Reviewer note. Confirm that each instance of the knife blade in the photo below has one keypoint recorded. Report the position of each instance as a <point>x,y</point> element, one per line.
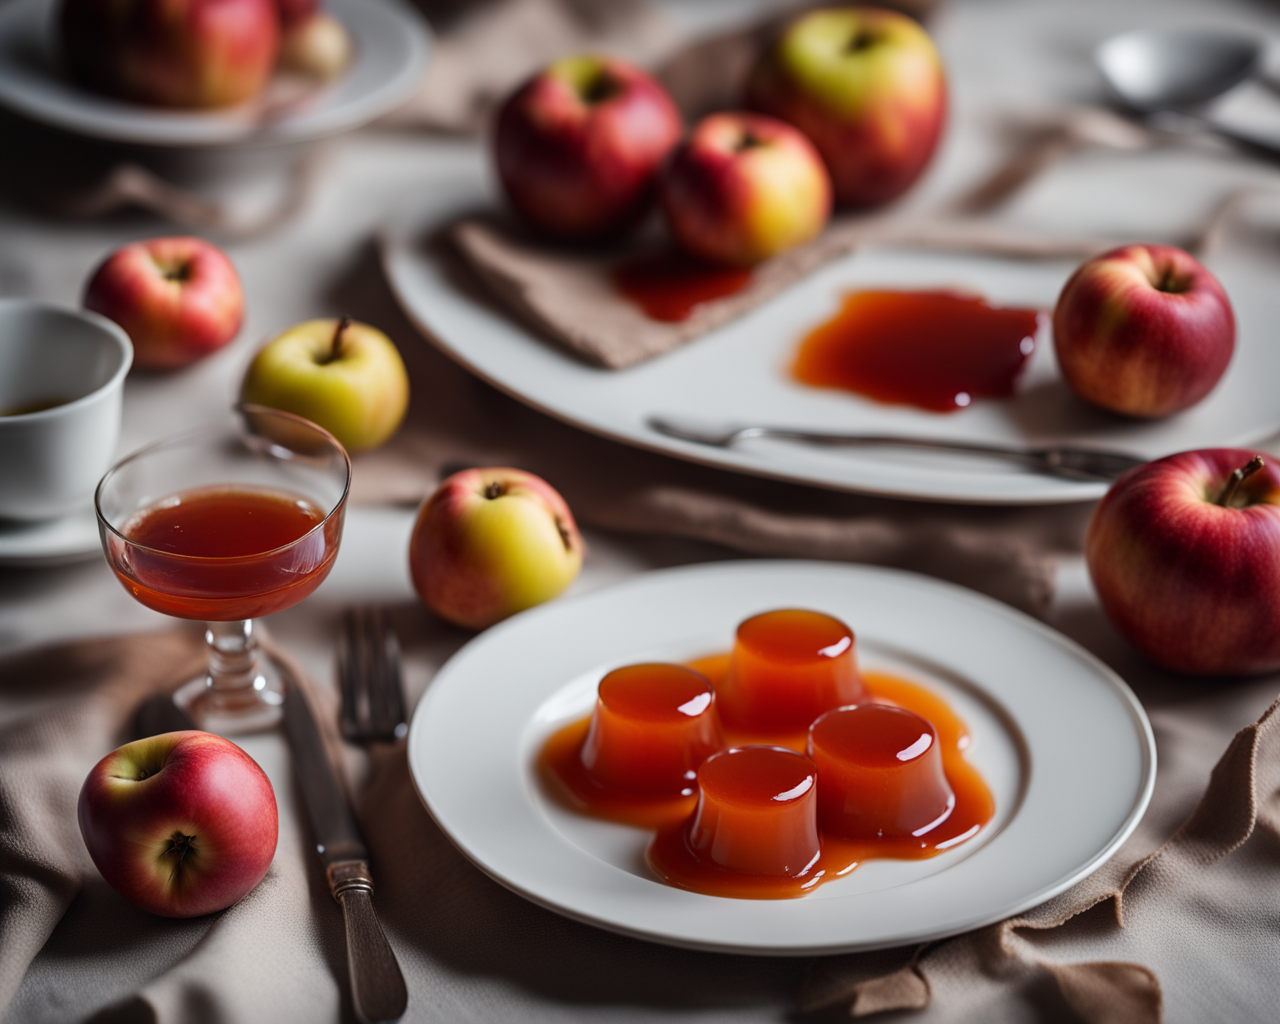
<point>377,986</point>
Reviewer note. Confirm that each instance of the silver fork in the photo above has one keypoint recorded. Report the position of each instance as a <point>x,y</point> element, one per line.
<point>369,675</point>
<point>1071,463</point>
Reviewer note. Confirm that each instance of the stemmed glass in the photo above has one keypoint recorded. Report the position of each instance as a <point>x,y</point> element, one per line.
<point>227,524</point>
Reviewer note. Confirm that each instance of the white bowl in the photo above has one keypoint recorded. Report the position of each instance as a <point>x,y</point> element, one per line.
<point>51,459</point>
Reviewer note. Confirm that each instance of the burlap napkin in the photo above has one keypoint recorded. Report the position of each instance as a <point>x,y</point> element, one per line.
<point>71,949</point>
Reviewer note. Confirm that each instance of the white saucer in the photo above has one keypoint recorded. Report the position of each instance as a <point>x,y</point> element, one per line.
<point>73,538</point>
<point>391,39</point>
<point>1064,745</point>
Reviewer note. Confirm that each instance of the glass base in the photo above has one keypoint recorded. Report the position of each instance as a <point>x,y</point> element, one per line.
<point>239,711</point>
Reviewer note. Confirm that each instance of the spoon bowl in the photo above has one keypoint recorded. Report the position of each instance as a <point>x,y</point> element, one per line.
<point>1176,69</point>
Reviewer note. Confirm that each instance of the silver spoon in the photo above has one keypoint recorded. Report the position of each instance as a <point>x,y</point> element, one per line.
<point>1166,74</point>
<point>1072,463</point>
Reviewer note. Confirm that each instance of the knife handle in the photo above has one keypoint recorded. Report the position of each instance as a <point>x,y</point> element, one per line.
<point>377,986</point>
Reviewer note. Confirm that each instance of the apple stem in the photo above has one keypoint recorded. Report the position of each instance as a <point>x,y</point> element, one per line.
<point>335,349</point>
<point>1238,477</point>
<point>181,845</point>
<point>495,490</point>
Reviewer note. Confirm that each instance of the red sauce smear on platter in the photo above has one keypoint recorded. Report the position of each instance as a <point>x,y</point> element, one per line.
<point>937,350</point>
<point>669,285</point>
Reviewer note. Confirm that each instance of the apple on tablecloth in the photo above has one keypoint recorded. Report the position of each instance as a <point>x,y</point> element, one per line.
<point>171,53</point>
<point>744,187</point>
<point>867,86</point>
<point>177,298</point>
<point>180,824</point>
<point>1143,330</point>
<point>1184,553</point>
<point>345,376</point>
<point>578,146</point>
<point>492,542</point>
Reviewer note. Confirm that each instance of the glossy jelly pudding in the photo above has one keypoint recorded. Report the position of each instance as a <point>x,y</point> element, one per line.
<point>787,667</point>
<point>881,770</point>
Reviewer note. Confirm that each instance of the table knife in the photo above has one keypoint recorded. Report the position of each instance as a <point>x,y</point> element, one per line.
<point>377,986</point>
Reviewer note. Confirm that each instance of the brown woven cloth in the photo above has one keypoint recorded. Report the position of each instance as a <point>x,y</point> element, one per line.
<point>1201,902</point>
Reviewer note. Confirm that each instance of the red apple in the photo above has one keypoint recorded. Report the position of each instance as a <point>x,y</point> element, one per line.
<point>178,299</point>
<point>181,824</point>
<point>1143,330</point>
<point>172,53</point>
<point>744,187</point>
<point>490,543</point>
<point>579,144</point>
<point>1186,563</point>
<point>867,86</point>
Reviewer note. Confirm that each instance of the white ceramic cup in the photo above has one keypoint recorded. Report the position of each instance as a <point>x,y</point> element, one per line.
<point>75,362</point>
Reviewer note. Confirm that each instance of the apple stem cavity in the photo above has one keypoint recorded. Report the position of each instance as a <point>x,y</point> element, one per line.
<point>862,40</point>
<point>1238,477</point>
<point>600,88</point>
<point>335,347</point>
<point>496,489</point>
<point>181,846</point>
<point>748,140</point>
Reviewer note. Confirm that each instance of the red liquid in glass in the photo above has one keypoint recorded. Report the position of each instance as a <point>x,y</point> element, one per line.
<point>225,553</point>
<point>669,285</point>
<point>933,349</point>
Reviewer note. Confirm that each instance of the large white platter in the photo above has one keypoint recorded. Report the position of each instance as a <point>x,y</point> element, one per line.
<point>1061,740</point>
<point>391,41</point>
<point>738,374</point>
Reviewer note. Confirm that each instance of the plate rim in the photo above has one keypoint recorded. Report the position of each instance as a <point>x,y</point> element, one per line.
<point>394,91</point>
<point>1133,707</point>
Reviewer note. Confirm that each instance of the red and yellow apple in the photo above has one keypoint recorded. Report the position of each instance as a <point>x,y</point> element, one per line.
<point>867,86</point>
<point>177,298</point>
<point>1143,330</point>
<point>578,146</point>
<point>346,376</point>
<point>181,824</point>
<point>744,187</point>
<point>318,45</point>
<point>1184,554</point>
<point>490,543</point>
<point>171,53</point>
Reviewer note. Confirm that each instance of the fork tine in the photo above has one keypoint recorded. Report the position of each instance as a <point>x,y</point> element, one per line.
<point>370,674</point>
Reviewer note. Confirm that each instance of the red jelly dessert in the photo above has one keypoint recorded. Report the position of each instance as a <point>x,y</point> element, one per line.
<point>669,285</point>
<point>755,829</point>
<point>636,759</point>
<point>933,349</point>
<point>653,726</point>
<point>787,668</point>
<point>881,772</point>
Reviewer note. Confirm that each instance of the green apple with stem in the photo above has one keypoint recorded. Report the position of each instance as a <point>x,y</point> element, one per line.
<point>345,376</point>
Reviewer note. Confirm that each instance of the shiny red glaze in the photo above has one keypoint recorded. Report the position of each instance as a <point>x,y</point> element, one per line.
<point>786,669</point>
<point>225,553</point>
<point>669,285</point>
<point>932,349</point>
<point>653,725</point>
<point>756,812</point>
<point>1191,584</point>
<point>196,784</point>
<point>578,159</point>
<point>881,772</point>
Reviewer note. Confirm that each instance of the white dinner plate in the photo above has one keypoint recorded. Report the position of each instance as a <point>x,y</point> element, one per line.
<point>69,538</point>
<point>1061,740</point>
<point>391,43</point>
<point>738,373</point>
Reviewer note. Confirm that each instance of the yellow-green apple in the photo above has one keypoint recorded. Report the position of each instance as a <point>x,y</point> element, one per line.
<point>867,86</point>
<point>318,45</point>
<point>578,146</point>
<point>171,53</point>
<point>344,375</point>
<point>1143,330</point>
<point>1184,554</point>
<point>744,187</point>
<point>177,298</point>
<point>490,543</point>
<point>181,824</point>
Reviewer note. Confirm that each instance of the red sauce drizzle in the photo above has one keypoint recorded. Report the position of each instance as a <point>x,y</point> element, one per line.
<point>937,350</point>
<point>668,285</point>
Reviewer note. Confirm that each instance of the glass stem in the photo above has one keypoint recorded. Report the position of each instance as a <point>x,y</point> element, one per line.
<point>233,662</point>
